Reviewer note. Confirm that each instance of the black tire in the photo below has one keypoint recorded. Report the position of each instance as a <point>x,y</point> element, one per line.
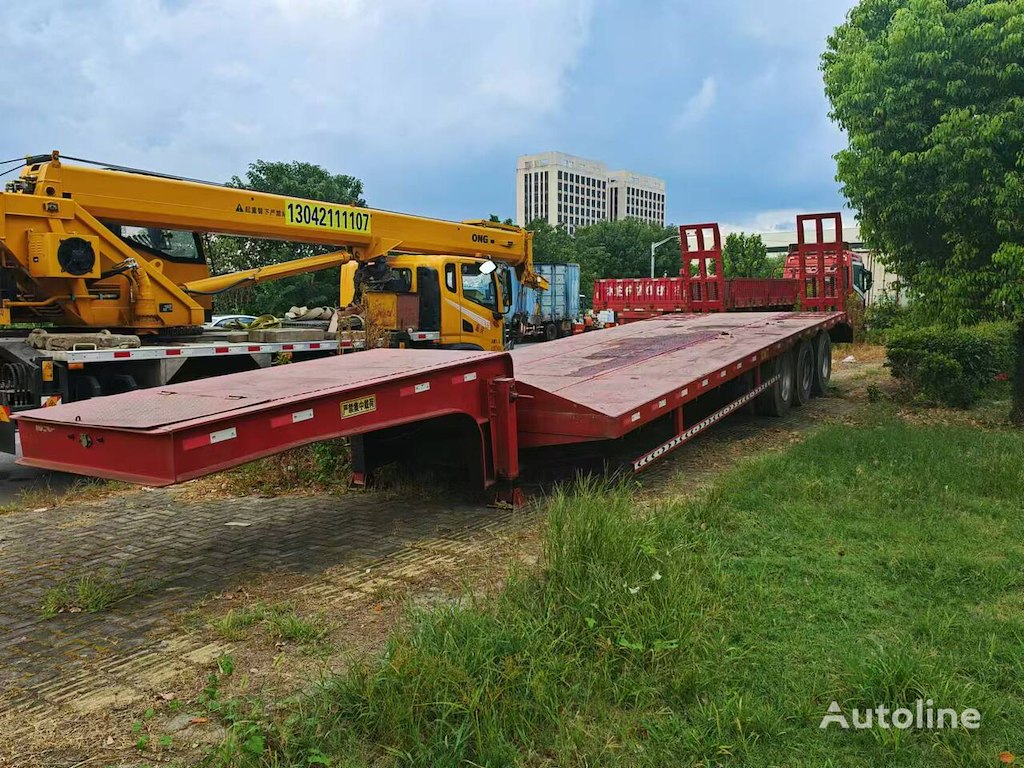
<point>803,373</point>
<point>777,400</point>
<point>550,332</point>
<point>822,363</point>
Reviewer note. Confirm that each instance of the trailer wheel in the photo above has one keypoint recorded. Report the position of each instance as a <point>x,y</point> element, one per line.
<point>777,400</point>
<point>550,332</point>
<point>803,380</point>
<point>822,362</point>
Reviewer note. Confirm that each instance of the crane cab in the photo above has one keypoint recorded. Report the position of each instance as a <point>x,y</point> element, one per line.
<point>451,302</point>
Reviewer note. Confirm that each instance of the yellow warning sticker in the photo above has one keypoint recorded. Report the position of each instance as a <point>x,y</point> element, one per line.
<point>47,370</point>
<point>362,405</point>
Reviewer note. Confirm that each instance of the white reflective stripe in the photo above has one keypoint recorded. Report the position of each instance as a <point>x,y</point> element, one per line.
<point>194,350</point>
<point>714,418</point>
<point>473,315</point>
<point>223,434</point>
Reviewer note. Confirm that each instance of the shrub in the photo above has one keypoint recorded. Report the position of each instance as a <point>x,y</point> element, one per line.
<point>882,315</point>
<point>951,366</point>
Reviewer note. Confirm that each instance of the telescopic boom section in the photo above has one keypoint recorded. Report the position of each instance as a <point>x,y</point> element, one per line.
<point>66,199</point>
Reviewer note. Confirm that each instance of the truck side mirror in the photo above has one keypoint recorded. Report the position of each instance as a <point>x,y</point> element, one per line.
<point>504,285</point>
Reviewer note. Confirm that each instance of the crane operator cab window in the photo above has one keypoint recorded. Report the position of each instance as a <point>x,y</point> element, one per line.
<point>478,287</point>
<point>170,244</point>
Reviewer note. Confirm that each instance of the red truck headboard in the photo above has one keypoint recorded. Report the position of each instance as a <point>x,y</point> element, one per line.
<point>703,272</point>
<point>822,263</point>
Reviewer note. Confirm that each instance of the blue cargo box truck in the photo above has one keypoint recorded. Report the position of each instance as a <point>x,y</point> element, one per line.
<point>546,314</point>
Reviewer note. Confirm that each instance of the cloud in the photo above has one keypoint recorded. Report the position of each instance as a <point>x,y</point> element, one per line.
<point>698,105</point>
<point>780,220</point>
<point>203,88</point>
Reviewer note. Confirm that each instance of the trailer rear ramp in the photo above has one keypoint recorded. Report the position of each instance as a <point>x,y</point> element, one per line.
<point>602,385</point>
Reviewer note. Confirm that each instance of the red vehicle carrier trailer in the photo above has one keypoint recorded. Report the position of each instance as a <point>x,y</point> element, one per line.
<point>654,384</point>
<point>820,273</point>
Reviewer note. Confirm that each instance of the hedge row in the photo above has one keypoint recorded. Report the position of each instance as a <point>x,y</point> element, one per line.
<point>951,366</point>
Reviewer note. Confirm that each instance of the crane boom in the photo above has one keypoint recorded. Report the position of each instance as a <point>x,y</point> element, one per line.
<point>53,230</point>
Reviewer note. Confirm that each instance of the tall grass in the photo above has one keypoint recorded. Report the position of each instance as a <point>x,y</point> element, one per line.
<point>871,565</point>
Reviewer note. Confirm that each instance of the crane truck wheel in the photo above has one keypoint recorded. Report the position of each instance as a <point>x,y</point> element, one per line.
<point>550,332</point>
<point>777,400</point>
<point>822,363</point>
<point>803,380</point>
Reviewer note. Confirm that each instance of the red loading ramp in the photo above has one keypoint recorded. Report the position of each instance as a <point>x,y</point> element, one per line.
<point>166,435</point>
<point>602,385</point>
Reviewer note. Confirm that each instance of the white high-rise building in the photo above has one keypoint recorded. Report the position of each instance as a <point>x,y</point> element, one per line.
<point>574,192</point>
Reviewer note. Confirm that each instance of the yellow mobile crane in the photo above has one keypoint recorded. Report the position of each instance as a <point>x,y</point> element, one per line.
<point>90,249</point>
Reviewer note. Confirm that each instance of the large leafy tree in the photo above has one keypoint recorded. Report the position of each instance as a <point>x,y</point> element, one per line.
<point>607,249</point>
<point>623,249</point>
<point>745,255</point>
<point>931,96</point>
<point>304,180</point>
<point>552,245</point>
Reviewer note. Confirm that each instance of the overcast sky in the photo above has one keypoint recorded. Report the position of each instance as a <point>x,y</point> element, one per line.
<point>430,101</point>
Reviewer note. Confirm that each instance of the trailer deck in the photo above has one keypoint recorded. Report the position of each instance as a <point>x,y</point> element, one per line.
<point>603,385</point>
<point>590,387</point>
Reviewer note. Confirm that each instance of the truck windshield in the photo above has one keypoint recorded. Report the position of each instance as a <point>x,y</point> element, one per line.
<point>171,244</point>
<point>479,288</point>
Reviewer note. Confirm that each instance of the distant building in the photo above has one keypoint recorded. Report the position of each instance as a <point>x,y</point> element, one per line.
<point>574,192</point>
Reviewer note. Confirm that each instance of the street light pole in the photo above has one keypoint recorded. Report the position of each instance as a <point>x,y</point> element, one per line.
<point>654,247</point>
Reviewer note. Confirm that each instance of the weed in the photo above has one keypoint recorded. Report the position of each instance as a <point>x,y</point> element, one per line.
<point>50,498</point>
<point>317,468</point>
<point>278,620</point>
<point>89,592</point>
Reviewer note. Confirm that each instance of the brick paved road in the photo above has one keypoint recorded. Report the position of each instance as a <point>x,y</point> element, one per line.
<point>87,660</point>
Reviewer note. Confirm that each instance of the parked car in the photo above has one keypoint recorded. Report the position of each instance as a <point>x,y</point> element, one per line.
<point>226,322</point>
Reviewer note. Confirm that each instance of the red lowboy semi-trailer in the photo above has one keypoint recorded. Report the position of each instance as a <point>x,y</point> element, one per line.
<point>650,385</point>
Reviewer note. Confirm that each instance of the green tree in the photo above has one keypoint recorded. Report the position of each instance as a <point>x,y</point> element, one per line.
<point>931,96</point>
<point>623,249</point>
<point>745,255</point>
<point>552,245</point>
<point>229,254</point>
<point>497,219</point>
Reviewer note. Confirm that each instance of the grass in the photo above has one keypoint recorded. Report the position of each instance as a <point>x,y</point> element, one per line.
<point>49,498</point>
<point>279,621</point>
<point>317,468</point>
<point>88,592</point>
<point>868,565</point>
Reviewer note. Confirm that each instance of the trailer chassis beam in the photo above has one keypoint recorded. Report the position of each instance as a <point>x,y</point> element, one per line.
<point>642,462</point>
